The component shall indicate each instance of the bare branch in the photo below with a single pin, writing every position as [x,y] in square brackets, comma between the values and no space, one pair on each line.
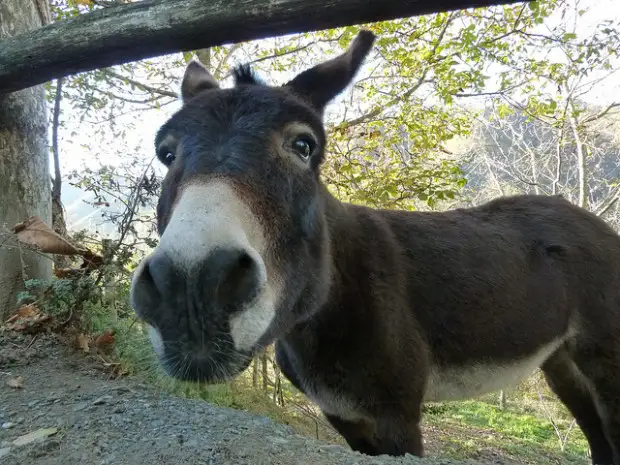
[140,85]
[614,197]
[601,114]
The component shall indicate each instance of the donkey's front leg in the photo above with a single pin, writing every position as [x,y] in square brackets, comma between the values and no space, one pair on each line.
[358,434]
[389,436]
[398,433]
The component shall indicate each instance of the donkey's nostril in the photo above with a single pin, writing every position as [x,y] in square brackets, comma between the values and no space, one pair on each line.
[245,262]
[232,277]
[151,285]
[159,272]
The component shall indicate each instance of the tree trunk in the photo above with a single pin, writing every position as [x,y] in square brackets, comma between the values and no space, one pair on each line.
[581,160]
[24,162]
[255,373]
[58,212]
[278,396]
[264,361]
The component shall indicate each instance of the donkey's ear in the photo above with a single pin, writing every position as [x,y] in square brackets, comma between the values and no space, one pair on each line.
[325,81]
[196,78]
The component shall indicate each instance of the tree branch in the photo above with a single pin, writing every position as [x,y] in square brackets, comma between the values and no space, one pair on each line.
[134,31]
[613,198]
[599,115]
[146,101]
[270,57]
[140,85]
[380,109]
[217,72]
[404,96]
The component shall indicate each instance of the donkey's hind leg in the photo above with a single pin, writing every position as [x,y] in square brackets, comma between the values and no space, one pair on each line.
[598,358]
[567,382]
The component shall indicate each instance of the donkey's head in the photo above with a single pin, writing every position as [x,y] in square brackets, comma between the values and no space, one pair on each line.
[244,249]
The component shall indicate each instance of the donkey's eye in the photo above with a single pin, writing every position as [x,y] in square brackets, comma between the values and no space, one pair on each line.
[169,157]
[166,156]
[304,146]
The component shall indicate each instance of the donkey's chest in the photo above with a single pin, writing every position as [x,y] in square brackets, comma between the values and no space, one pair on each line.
[333,400]
[329,389]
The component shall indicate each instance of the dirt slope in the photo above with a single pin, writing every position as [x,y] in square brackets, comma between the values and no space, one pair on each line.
[101,421]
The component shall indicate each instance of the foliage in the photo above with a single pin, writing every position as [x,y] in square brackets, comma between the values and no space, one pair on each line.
[545,135]
[403,98]
[58,297]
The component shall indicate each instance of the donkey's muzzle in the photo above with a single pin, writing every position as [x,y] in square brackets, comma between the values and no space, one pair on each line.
[224,282]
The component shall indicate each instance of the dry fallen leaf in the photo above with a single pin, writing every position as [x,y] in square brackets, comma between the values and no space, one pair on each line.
[25,311]
[83,343]
[16,383]
[28,318]
[36,233]
[105,342]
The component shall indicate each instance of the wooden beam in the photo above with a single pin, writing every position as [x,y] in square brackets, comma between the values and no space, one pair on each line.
[150,28]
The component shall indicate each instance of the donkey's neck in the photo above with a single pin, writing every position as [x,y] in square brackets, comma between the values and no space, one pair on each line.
[360,256]
[366,278]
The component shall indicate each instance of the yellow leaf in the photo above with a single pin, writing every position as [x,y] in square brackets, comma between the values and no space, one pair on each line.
[35,436]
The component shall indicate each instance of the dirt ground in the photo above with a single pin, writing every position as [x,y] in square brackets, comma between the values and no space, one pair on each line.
[56,408]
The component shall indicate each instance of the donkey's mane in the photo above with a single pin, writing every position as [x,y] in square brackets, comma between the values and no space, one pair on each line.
[245,75]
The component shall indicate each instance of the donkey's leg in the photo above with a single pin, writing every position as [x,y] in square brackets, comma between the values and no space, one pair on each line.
[391,435]
[400,433]
[568,384]
[358,434]
[398,410]
[599,360]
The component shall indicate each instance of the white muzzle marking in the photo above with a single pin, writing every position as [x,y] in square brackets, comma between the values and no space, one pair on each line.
[209,216]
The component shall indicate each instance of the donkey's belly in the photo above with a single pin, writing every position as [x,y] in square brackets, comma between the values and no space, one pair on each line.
[458,383]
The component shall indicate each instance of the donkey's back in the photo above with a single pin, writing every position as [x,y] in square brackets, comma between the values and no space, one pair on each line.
[511,261]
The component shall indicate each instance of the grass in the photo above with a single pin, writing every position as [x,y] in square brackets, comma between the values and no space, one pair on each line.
[474,429]
[514,432]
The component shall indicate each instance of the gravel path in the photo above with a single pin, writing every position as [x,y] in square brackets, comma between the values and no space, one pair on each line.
[84,418]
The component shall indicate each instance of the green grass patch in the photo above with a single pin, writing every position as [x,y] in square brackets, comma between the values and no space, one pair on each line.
[520,435]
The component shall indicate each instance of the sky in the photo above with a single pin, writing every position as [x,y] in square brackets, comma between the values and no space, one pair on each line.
[75,155]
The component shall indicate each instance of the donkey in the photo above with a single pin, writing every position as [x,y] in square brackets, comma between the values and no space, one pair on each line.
[373,312]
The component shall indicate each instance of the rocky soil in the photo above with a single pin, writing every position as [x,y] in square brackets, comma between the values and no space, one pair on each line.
[58,409]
